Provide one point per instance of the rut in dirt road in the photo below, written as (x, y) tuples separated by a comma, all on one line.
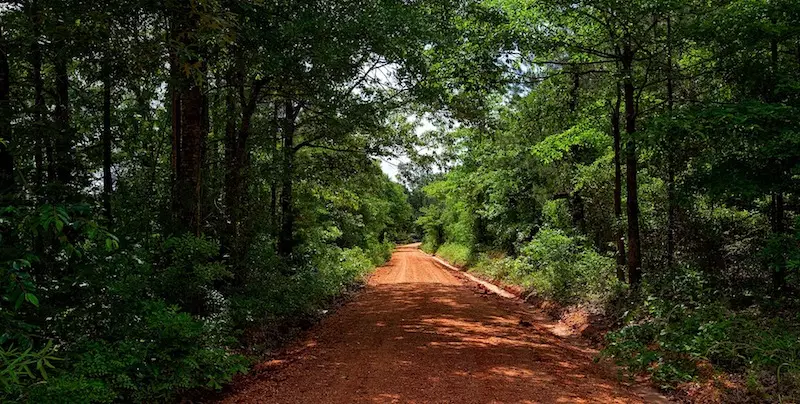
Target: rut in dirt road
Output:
[(420, 334)]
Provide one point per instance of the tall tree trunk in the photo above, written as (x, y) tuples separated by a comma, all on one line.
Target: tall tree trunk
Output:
[(778, 227), (273, 201), (6, 159), (175, 122), (64, 154), (778, 209), (618, 231), (671, 208), (190, 159), (231, 185), (189, 123), (40, 129), (286, 234), (107, 140), (38, 96), (631, 162), (238, 161)]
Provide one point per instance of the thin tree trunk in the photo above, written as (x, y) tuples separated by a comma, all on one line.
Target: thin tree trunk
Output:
[(231, 177), (38, 113), (108, 184), (237, 159), (286, 235), (631, 162), (618, 231), (63, 158), (273, 204), (778, 227), (6, 158), (778, 220), (671, 214), (38, 97)]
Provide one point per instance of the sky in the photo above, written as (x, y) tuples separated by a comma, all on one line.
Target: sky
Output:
[(389, 164)]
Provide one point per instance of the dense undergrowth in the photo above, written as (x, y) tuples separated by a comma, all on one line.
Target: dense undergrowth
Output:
[(135, 343)]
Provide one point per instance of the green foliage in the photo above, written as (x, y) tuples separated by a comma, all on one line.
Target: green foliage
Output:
[(20, 368), (556, 266), (692, 108), (671, 345), (556, 147), (457, 254), (291, 298), (258, 199), (167, 354)]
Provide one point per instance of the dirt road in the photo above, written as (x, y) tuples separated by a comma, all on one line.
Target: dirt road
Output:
[(421, 334)]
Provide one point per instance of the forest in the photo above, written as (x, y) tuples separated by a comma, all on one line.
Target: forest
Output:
[(186, 184)]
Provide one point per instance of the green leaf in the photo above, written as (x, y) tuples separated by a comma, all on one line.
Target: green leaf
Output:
[(30, 297)]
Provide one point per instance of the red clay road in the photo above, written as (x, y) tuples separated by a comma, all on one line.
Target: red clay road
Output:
[(419, 333)]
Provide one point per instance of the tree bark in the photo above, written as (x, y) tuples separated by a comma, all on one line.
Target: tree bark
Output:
[(778, 227), (175, 122), (286, 234), (237, 160), (631, 162), (231, 185), (273, 201), (39, 126), (618, 231), (108, 184), (64, 155), (671, 208), (189, 124), (38, 96), (6, 158), (778, 209)]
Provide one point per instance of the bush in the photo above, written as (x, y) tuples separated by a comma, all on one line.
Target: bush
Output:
[(378, 252), (292, 298), (670, 344), (556, 266), (428, 246), (164, 353), (457, 254), (20, 368)]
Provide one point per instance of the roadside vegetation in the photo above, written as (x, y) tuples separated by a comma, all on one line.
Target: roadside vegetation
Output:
[(643, 164), (184, 183)]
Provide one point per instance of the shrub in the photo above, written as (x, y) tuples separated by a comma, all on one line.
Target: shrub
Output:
[(428, 246), (670, 344), (556, 266), (456, 254), (292, 298), (377, 251), (163, 354), (20, 368)]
